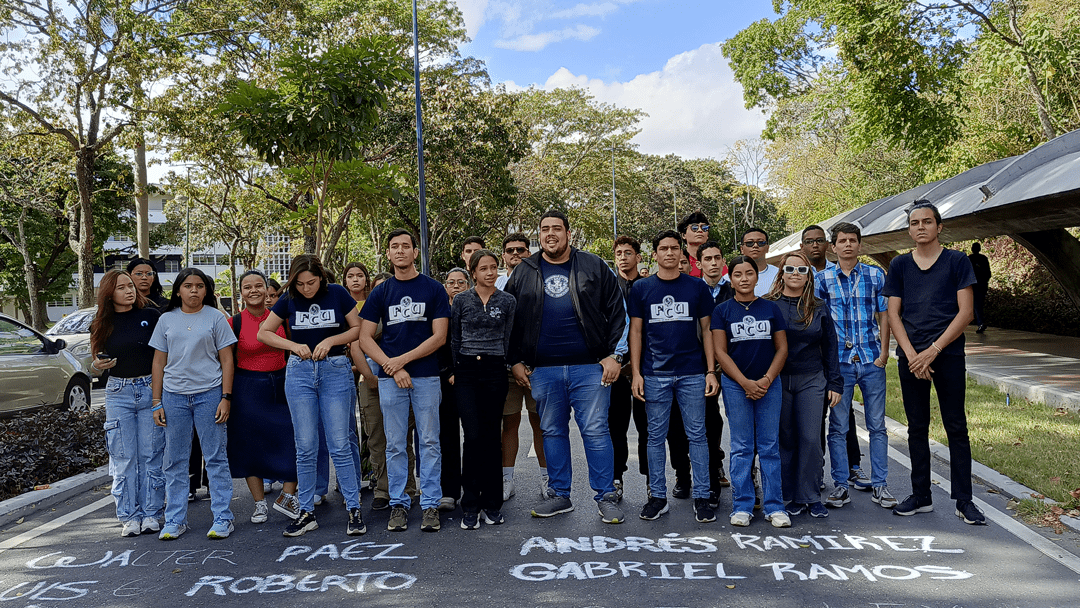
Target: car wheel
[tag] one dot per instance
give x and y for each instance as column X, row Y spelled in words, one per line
column 77, row 395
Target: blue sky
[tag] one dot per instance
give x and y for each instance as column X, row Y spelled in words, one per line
column 661, row 56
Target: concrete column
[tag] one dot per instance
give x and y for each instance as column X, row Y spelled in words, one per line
column 1059, row 251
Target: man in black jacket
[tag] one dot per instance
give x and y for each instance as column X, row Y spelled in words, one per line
column 567, row 346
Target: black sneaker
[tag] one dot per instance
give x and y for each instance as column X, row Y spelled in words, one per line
column 969, row 513
column 470, row 521
column 380, row 504
column 912, row 505
column 492, row 517
column 681, row 490
column 858, row 480
column 795, row 508
column 356, row 525
column 301, row 525
column 703, row 512
column 654, row 508
column 714, row 500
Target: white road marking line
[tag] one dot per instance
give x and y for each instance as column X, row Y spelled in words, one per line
column 54, row 524
column 1006, row 521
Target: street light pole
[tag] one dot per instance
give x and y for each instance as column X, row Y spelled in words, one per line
column 425, row 255
column 614, row 216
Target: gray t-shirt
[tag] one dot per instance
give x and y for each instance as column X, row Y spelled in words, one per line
column 192, row 342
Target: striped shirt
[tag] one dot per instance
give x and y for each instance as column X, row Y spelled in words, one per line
column 854, row 301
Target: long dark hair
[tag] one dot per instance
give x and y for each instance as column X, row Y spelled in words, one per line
column 102, row 325
column 157, row 292
column 307, row 262
column 208, row 300
column 363, row 269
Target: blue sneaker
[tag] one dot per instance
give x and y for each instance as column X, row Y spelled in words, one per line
column 172, row 531
column 220, row 529
column 795, row 508
column 818, row 510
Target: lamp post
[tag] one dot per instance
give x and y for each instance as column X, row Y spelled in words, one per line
column 614, row 216
column 425, row 255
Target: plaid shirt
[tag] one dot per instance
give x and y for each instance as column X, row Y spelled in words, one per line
column 853, row 302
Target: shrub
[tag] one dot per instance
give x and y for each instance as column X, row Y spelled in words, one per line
column 48, row 445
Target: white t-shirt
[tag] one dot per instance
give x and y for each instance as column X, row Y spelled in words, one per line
column 765, row 280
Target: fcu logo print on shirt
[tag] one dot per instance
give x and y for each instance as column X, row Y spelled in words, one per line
column 407, row 310
column 316, row 317
column 670, row 310
column 751, row 329
column 557, row 286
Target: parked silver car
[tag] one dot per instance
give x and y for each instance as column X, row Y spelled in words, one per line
column 74, row 329
column 36, row 371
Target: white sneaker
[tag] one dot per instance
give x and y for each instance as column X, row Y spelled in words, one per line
column 319, row 499
column 131, row 528
column 508, row 487
column 779, row 519
column 545, row 488
column 268, row 487
column 149, row 524
column 259, row 516
column 741, row 519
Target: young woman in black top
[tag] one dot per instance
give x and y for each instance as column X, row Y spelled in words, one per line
column 119, row 338
column 480, row 325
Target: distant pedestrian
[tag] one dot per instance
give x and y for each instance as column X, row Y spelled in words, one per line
column 981, row 265
column 147, row 281
column 930, row 304
column 120, row 340
column 192, row 385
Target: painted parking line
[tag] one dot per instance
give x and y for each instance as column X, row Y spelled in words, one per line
column 1004, row 520
column 54, row 524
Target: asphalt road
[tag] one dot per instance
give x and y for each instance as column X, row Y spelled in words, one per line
column 861, row 555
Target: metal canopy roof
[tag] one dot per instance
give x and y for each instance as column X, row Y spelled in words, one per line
column 1036, row 191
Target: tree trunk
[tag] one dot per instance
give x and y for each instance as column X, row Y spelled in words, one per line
column 310, row 241
column 36, row 306
column 142, row 199
column 83, row 224
column 233, row 287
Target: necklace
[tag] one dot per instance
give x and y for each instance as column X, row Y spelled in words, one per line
column 746, row 306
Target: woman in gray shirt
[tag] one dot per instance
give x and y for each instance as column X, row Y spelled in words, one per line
column 480, row 326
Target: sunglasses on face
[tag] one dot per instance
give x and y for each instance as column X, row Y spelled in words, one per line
column 145, row 275
column 796, row 269
column 699, row 227
column 515, row 250
column 760, row 243
column 451, row 282
column 817, row 241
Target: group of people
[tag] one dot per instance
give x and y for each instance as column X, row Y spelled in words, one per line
column 272, row 393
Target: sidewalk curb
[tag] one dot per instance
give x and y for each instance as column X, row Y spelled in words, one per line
column 1020, row 388
column 980, row 472
column 38, row 500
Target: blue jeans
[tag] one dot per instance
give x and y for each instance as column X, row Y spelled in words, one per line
column 423, row 398
column 871, row 381
column 136, row 448
column 689, row 391
column 558, row 390
column 181, row 413
column 321, row 393
column 322, row 463
column 753, row 424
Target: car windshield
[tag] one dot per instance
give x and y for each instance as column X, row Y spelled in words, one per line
column 77, row 322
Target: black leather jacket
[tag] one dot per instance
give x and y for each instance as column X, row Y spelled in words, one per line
column 597, row 300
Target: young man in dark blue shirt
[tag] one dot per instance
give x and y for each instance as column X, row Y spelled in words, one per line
column 672, row 357
column 930, row 304
column 568, row 345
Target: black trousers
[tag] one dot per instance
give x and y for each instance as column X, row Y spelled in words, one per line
column 950, row 382
column 623, row 407
column 979, row 302
column 480, row 385
column 449, row 440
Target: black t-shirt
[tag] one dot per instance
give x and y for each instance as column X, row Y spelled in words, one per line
column 129, row 342
column 928, row 297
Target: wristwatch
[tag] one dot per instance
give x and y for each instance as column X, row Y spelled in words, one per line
column 226, row 396
column 618, row 358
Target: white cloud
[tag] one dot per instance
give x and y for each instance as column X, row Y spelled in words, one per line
column 695, row 106
column 597, row 9
column 536, row 42
column 474, row 13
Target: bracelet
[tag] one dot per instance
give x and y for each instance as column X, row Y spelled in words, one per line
column 936, row 347
column 152, row 410
column 710, row 372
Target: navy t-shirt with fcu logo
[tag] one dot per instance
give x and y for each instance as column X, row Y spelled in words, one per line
column 671, row 312
column 313, row 320
column 407, row 310
column 750, row 333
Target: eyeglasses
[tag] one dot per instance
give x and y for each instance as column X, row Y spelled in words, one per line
column 699, row 227
column 817, row 241
column 146, row 275
column 796, row 269
column 515, row 250
column 760, row 243
column 456, row 282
